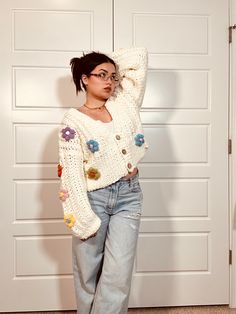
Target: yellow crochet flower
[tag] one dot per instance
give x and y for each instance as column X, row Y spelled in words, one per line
column 69, row 220
column 93, row 173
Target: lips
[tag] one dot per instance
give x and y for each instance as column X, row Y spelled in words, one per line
column 107, row 89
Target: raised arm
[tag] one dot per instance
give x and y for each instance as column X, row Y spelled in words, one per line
column 78, row 215
column 132, row 68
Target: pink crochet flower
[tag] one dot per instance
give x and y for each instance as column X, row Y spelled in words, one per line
column 63, row 194
column 68, row 133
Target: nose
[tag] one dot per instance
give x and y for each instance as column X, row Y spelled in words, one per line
column 109, row 79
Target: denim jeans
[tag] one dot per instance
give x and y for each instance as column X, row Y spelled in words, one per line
column 103, row 264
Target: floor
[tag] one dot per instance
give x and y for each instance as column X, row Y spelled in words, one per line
column 186, row 310
column 222, row 309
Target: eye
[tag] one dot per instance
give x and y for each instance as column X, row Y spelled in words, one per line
column 114, row 78
column 102, row 75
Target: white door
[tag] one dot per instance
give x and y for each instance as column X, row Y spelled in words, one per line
column 38, row 39
column 182, row 255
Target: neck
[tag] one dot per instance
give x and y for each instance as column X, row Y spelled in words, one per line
column 92, row 102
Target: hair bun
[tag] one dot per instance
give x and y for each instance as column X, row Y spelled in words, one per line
column 75, row 62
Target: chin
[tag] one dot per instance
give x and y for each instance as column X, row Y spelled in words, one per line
column 106, row 97
column 103, row 98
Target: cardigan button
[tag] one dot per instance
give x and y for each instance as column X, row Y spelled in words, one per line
column 118, row 137
column 129, row 165
column 124, row 151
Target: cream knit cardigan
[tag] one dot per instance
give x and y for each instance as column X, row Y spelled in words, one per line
column 91, row 156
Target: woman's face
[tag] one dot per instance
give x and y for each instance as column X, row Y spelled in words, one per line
column 100, row 83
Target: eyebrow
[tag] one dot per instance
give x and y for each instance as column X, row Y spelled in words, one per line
column 106, row 71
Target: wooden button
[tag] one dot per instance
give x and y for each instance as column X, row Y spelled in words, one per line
column 129, row 165
column 118, row 137
column 124, row 151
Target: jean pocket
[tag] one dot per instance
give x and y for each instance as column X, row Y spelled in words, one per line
column 135, row 186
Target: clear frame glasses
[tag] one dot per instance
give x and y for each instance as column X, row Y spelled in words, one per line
column 104, row 77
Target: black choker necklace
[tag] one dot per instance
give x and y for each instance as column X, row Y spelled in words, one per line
column 96, row 108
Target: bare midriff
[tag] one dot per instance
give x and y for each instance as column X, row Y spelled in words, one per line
column 131, row 174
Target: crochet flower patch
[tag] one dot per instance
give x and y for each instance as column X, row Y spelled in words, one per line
column 59, row 170
column 93, row 173
column 68, row 133
column 93, row 146
column 139, row 139
column 69, row 220
column 63, row 194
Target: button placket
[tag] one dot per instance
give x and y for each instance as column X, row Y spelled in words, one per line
column 124, row 152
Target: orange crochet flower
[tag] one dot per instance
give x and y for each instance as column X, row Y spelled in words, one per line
column 93, row 173
column 59, row 170
column 69, row 220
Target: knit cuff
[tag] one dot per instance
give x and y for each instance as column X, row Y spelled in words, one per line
column 83, row 232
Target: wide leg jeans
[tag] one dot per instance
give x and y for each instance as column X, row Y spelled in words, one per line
column 103, row 264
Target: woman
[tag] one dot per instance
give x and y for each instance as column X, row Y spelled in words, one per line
column 100, row 144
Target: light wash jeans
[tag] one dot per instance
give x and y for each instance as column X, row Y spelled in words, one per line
column 103, row 265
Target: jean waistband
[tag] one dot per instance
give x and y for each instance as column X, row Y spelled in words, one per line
column 133, row 178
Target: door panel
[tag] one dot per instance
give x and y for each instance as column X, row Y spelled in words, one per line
column 37, row 43
column 182, row 254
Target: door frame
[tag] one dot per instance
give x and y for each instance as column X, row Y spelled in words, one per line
column 232, row 156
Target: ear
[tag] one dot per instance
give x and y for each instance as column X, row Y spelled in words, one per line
column 84, row 79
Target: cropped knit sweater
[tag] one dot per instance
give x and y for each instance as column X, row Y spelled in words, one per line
column 90, row 155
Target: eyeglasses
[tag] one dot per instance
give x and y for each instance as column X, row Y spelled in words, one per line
column 105, row 77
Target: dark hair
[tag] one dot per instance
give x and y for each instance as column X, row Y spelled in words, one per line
column 85, row 65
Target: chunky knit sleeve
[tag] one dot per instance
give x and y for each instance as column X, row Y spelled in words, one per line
column 132, row 68
column 78, row 215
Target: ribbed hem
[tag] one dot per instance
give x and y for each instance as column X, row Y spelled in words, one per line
column 91, row 230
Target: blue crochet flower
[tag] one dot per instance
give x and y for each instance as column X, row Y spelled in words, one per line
column 139, row 139
column 93, row 146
